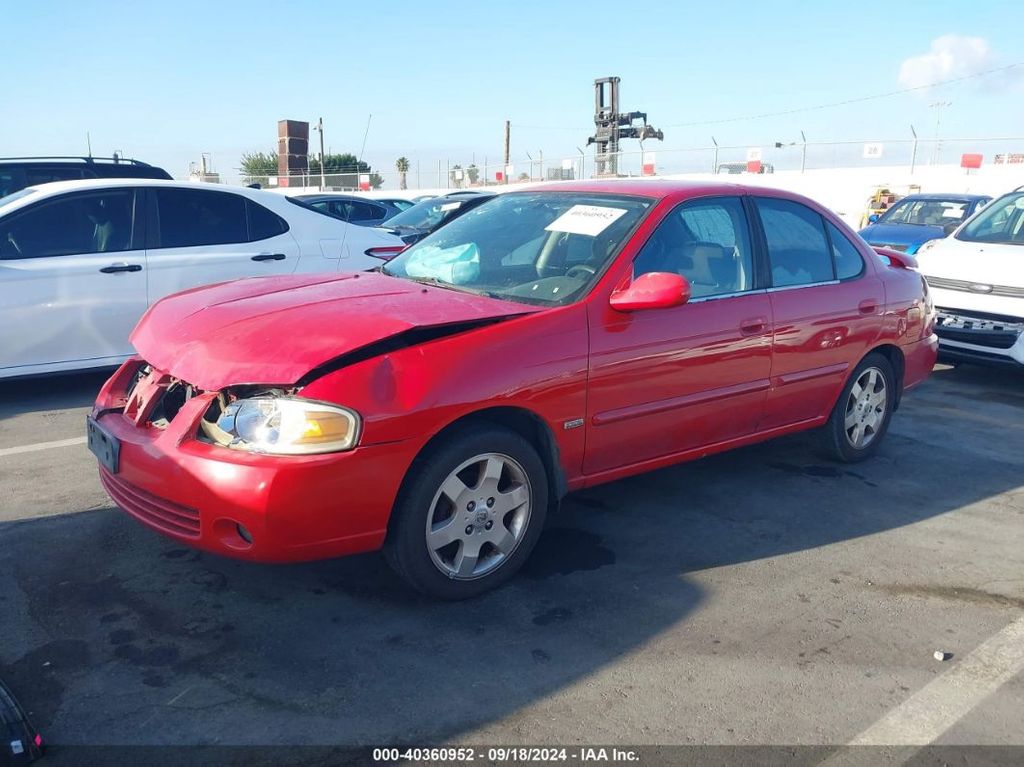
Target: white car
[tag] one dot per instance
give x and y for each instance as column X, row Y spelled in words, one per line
column 80, row 261
column 977, row 281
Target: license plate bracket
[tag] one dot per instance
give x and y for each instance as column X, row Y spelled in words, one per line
column 104, row 445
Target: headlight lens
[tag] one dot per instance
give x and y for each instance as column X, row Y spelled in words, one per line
column 284, row 426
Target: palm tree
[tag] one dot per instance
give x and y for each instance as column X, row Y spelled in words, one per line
column 402, row 166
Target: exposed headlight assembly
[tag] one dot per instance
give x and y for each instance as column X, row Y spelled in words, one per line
column 281, row 425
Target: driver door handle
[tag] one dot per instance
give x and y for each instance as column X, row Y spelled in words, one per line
column 269, row 257
column 753, row 326
column 115, row 268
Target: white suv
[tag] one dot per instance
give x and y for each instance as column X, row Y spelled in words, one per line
column 977, row 281
column 80, row 261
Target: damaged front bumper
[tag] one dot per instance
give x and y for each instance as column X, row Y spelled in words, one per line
column 259, row 507
column 972, row 336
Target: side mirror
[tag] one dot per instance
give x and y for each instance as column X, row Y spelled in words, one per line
column 653, row 290
column 873, row 218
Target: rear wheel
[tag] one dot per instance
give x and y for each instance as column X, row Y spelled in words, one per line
column 469, row 514
column 862, row 413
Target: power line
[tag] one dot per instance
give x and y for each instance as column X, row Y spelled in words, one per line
column 845, row 102
column 817, row 107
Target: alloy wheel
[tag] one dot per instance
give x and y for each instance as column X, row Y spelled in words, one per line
column 478, row 516
column 866, row 408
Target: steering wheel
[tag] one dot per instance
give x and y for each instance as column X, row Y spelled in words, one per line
column 587, row 270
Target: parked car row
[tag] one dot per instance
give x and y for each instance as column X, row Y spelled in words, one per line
column 80, row 261
column 544, row 341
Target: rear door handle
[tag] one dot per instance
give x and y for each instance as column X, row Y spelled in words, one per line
column 753, row 326
column 114, row 268
column 867, row 306
column 269, row 257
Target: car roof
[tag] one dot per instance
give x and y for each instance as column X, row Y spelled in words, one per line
column 953, row 197
column 276, row 202
column 659, row 188
column 59, row 187
column 332, row 196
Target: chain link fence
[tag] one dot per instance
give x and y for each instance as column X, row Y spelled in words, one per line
column 765, row 158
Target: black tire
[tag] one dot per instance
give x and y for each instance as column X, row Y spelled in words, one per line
column 834, row 440
column 406, row 548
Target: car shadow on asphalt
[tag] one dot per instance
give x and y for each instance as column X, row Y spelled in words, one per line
column 54, row 392
column 114, row 634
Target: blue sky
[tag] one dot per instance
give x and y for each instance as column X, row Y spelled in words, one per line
column 167, row 81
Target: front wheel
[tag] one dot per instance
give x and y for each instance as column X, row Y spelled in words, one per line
column 862, row 413
column 469, row 513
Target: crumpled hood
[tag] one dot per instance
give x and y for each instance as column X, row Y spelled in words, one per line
column 274, row 330
column 900, row 234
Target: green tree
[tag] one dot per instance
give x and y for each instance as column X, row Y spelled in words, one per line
column 402, row 166
column 473, row 172
column 257, row 167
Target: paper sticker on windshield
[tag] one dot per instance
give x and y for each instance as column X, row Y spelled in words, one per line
column 590, row 220
column 450, row 205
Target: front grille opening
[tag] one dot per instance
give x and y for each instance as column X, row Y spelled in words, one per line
column 174, row 398
column 160, row 395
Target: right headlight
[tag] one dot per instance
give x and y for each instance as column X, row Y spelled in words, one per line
column 280, row 425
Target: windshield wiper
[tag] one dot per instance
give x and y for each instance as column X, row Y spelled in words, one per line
column 460, row 288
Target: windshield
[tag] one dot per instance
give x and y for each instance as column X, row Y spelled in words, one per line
column 17, row 195
column 925, row 212
column 427, row 214
column 1001, row 222
column 534, row 247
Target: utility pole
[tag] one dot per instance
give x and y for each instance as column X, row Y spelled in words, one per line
column 508, row 137
column 323, row 177
column 714, row 163
column 913, row 151
column 803, row 152
column 937, row 106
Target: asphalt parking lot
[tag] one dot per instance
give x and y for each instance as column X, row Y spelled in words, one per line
column 762, row 596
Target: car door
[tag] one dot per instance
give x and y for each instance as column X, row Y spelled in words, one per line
column 72, row 280
column 202, row 236
column 827, row 308
column 663, row 381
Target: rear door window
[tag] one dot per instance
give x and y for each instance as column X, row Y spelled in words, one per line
column 849, row 263
column 263, row 223
column 798, row 249
column 36, row 176
column 189, row 218
column 365, row 211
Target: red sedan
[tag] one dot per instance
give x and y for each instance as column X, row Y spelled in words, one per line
column 548, row 340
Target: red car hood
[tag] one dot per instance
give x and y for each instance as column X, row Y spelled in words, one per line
column 275, row 330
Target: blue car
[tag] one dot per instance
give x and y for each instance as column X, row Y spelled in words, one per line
column 917, row 218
